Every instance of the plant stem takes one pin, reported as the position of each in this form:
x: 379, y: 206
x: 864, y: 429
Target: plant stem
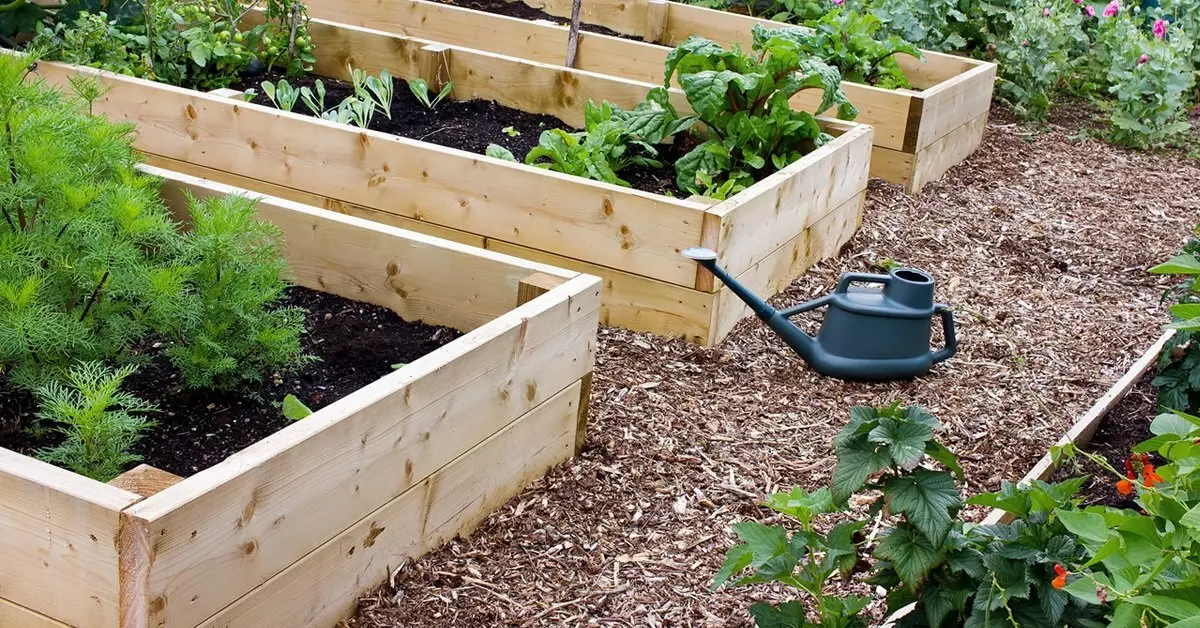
x: 94, y: 296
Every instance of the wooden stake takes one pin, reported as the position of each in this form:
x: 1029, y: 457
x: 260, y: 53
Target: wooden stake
x: 145, y: 480
x: 656, y: 20
x: 573, y: 35
x: 435, y: 67
x: 535, y: 286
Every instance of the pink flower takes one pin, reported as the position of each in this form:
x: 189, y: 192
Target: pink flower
x: 1112, y: 9
x: 1046, y: 12
x: 1144, y: 58
x: 1025, y: 42
x: 1160, y: 28
x: 839, y: 2
x: 1091, y: 11
x: 1078, y: 1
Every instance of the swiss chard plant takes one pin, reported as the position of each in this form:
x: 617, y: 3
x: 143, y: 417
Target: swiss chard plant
x: 852, y: 42
x: 749, y: 128
x: 613, y: 139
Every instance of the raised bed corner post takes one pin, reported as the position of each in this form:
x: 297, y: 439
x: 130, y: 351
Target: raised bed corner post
x: 434, y: 66
x: 656, y: 20
x: 529, y: 289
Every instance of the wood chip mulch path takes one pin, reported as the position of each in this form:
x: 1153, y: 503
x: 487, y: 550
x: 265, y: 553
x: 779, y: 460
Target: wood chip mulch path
x: 1041, y: 241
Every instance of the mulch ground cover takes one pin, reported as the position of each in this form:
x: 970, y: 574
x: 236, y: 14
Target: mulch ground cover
x: 356, y: 344
x: 1041, y: 241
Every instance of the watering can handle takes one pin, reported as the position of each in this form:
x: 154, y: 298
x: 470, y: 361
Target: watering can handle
x: 849, y: 278
x: 945, y: 353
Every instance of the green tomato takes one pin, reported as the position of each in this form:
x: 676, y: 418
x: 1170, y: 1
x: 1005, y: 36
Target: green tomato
x: 302, y: 41
x: 238, y: 37
x: 272, y: 51
x: 223, y: 35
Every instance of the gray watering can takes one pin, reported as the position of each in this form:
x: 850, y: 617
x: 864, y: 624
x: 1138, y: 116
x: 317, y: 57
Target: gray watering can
x: 868, y: 334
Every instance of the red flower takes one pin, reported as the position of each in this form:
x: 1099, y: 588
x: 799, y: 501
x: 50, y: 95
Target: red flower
x: 1125, y: 487
x: 1102, y: 594
x: 1060, y: 580
x: 1149, y: 476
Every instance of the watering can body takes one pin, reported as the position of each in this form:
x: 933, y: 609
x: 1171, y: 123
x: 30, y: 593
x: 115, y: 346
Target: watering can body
x: 879, y: 332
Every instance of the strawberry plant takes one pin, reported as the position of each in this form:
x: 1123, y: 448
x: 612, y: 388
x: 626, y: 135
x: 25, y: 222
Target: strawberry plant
x: 749, y: 128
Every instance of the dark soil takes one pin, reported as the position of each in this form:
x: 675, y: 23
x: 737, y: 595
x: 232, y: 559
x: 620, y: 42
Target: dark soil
x: 1122, y: 428
x: 357, y: 343
x: 521, y: 10
x: 466, y: 125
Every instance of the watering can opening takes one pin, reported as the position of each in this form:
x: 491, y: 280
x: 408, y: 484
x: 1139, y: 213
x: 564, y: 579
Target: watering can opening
x: 912, y: 275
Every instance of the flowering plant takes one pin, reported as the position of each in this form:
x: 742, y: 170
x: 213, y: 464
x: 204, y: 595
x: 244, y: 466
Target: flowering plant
x: 1149, y: 76
x: 1036, y: 56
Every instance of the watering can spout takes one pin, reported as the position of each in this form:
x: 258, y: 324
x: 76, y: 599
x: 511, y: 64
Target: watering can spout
x: 777, y: 320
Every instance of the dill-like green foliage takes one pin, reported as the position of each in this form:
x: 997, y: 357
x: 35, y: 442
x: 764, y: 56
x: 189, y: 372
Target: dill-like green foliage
x: 92, y: 265
x: 229, y: 331
x: 99, y: 423
x: 80, y: 232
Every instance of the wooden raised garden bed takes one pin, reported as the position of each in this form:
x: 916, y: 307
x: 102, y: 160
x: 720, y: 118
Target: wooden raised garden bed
x: 919, y: 134
x: 1085, y: 427
x: 766, y: 235
x: 289, y: 531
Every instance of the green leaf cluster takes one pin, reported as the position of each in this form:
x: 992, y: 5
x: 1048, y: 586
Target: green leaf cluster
x: 1036, y: 57
x: 1178, y: 365
x: 200, y: 44
x: 98, y: 423
x: 94, y: 268
x: 612, y: 140
x: 852, y: 42
x: 750, y: 129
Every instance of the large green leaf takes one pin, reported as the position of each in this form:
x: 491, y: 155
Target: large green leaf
x: 910, y: 553
x: 927, y: 498
x: 905, y: 441
x: 942, y: 454
x: 1169, y: 606
x: 737, y: 559
x: 708, y: 91
x: 1088, y: 526
x: 786, y: 615
x: 857, y: 459
x: 801, y: 504
x: 1182, y: 264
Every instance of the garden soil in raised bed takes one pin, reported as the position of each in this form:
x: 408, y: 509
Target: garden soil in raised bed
x: 1126, y: 425
x: 468, y: 125
x: 357, y: 343
x: 1040, y: 241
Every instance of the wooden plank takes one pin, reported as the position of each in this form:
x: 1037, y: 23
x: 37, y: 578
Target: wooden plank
x: 325, y: 585
x: 315, y: 200
x: 17, y: 616
x: 222, y: 532
x: 518, y: 83
x: 886, y: 110
x: 824, y: 239
x: 145, y: 480
x: 760, y: 220
x: 535, y: 286
x: 952, y: 149
x: 893, y: 166
x: 608, y: 224
x: 534, y: 40
x: 634, y: 302
x: 416, y: 276
x: 1085, y: 427
x: 581, y: 421
x: 937, y: 68
x: 59, y: 541
x: 955, y: 102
